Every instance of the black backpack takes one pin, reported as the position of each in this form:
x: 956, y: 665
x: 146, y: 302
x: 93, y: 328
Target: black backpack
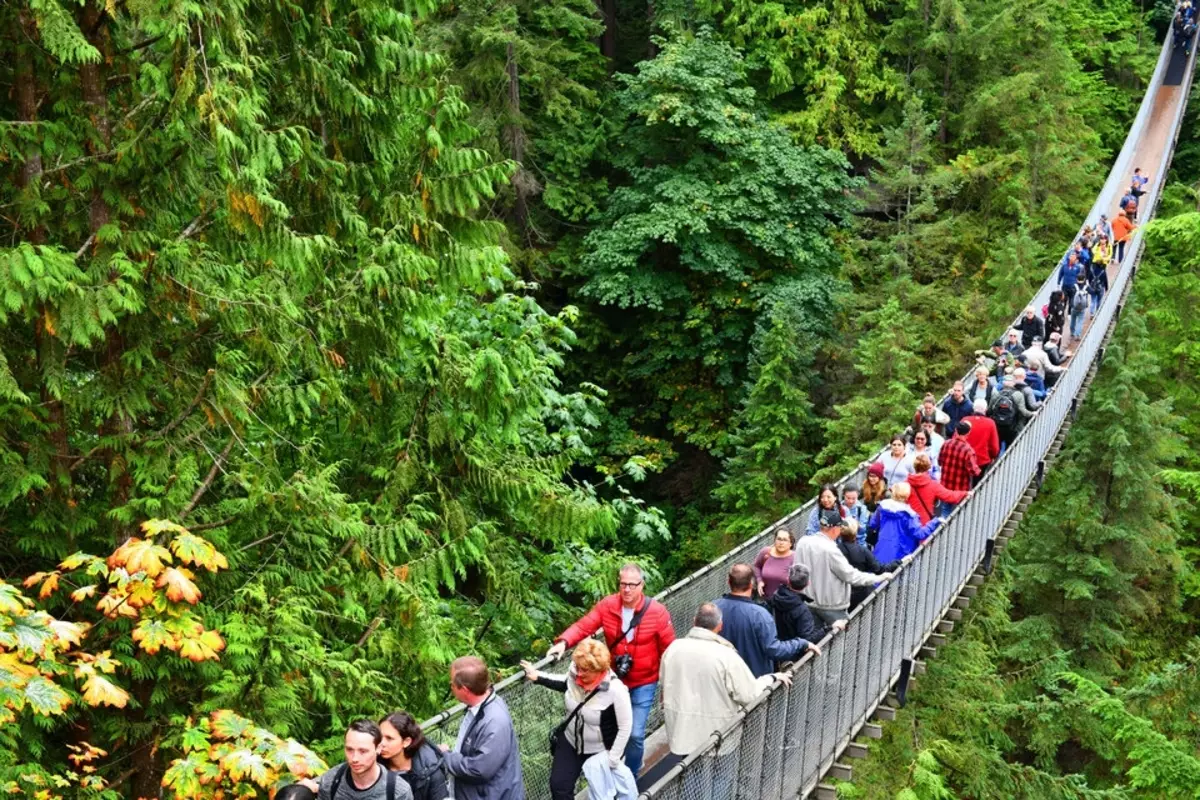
x: 1004, y: 412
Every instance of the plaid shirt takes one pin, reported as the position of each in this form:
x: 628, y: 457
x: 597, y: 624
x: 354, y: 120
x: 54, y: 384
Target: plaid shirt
x: 958, y: 464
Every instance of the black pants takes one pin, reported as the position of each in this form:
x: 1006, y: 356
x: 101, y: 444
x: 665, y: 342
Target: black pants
x: 565, y: 770
x: 1120, y: 252
x: 1007, y: 435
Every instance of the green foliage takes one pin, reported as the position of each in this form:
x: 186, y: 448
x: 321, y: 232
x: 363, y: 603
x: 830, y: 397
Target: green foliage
x: 719, y: 218
x: 246, y: 285
x: 1100, y: 566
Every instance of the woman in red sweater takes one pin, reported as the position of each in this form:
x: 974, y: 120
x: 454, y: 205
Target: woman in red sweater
x: 926, y: 491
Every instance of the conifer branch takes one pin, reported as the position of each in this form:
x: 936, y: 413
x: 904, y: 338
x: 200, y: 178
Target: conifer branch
x: 187, y: 412
x: 218, y: 462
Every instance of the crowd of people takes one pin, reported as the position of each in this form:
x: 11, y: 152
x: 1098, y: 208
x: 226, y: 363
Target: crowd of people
x: 1184, y: 26
x: 778, y: 608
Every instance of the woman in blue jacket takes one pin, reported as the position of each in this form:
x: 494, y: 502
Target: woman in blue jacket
x: 900, y: 530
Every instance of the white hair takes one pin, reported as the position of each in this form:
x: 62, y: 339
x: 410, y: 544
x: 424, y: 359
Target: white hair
x: 980, y: 406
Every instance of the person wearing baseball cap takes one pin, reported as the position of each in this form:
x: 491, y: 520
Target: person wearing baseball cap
x: 830, y: 575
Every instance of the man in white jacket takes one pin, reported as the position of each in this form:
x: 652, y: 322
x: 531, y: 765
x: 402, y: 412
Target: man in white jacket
x: 705, y: 685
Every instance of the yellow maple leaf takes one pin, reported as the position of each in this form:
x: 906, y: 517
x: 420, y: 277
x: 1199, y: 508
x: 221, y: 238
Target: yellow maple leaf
x: 179, y: 586
x: 49, y: 586
x: 140, y: 555
x: 153, y: 527
x: 100, y: 691
x: 199, y: 552
x: 83, y: 592
x: 202, y: 645
x: 115, y: 604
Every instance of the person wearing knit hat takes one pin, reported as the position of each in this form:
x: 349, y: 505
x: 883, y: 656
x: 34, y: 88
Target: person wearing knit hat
x: 874, y: 490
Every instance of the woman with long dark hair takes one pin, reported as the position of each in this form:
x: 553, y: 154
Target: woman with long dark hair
x: 405, y: 751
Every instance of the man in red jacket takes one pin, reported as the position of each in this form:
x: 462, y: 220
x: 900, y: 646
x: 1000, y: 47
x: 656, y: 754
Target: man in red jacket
x: 633, y: 625
x: 984, y: 438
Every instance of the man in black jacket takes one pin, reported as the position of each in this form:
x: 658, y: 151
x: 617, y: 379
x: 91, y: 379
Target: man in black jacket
x: 789, y: 606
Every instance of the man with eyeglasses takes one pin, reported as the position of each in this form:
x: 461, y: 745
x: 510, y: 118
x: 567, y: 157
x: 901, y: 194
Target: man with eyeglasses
x: 638, y: 631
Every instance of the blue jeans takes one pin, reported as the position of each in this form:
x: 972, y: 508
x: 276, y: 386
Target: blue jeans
x: 642, y: 700
x: 1076, y: 324
x: 1096, y: 298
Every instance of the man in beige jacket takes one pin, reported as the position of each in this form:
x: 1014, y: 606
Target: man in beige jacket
x: 705, y: 685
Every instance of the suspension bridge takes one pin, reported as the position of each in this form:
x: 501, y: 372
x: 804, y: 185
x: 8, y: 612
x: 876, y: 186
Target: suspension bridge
x: 793, y: 737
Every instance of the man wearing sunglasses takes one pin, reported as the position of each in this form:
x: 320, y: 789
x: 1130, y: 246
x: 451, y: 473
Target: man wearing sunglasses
x: 637, y: 631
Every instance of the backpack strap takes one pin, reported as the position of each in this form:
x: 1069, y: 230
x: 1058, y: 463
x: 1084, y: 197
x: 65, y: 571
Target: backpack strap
x: 337, y: 782
x: 924, y: 505
x: 391, y: 785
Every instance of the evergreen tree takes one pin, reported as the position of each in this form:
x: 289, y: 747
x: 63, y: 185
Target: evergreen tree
x: 717, y: 217
x: 1100, y: 566
x: 891, y: 378
x: 246, y: 288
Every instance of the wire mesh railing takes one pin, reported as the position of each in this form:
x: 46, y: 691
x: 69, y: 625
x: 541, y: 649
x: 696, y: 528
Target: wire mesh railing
x: 782, y: 744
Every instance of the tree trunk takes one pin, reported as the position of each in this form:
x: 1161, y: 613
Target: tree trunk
x: 47, y: 349
x: 92, y: 86
x: 26, y: 91
x: 947, y: 73
x: 514, y: 132
x: 608, y: 41
x: 651, y: 48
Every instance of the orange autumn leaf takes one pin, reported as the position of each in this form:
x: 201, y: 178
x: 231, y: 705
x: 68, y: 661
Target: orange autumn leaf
x: 140, y: 555
x: 179, y: 586
x: 202, y: 645
x: 83, y: 592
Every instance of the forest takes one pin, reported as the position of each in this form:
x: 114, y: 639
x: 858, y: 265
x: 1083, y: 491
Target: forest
x: 339, y: 338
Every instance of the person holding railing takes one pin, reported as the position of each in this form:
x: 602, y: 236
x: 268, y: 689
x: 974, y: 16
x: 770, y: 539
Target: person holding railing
x: 705, y: 685
x: 598, y: 723
x: 749, y: 627
x: 925, y: 492
x: 1054, y: 352
x: 831, y: 576
x: 638, y: 631
x: 1036, y: 354
x: 789, y: 606
x: 862, y: 559
x: 1025, y: 391
x: 900, y: 530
